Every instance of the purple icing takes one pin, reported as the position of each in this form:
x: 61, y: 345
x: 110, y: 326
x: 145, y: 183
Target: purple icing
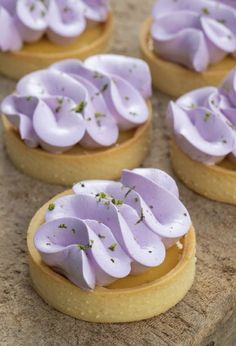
x: 194, y: 33
x: 72, y: 102
x: 204, y: 122
x: 61, y: 20
x: 107, y: 230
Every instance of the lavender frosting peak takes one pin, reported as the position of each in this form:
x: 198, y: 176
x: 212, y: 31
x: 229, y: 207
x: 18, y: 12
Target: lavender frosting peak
x: 204, y: 122
x: 61, y: 20
x: 73, y: 102
x: 194, y: 33
x: 107, y: 230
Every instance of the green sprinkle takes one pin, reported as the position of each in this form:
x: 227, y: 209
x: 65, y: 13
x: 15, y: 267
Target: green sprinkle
x: 98, y: 115
x: 207, y: 116
x: 102, y: 195
x: 117, y: 201
x: 51, y: 206
x: 205, y: 10
x: 29, y: 98
x: 62, y: 225
x: 80, y: 107
x: 85, y: 246
x: 112, y: 246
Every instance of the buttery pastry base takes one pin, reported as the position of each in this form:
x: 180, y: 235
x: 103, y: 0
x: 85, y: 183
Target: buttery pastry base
x: 34, y: 56
x: 79, y: 163
x: 130, y: 299
x: 174, y: 79
x: 217, y: 182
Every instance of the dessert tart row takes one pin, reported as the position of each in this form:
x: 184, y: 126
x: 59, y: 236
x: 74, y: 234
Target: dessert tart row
x: 77, y: 120
x: 113, y: 251
x: 189, y: 44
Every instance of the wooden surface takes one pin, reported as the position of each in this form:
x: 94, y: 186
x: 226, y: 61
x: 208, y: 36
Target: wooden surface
x: 206, y: 316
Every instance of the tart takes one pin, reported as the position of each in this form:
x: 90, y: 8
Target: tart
x: 80, y: 120
x: 203, y: 151
x: 89, y: 259
x: 183, y: 26
x: 37, y: 34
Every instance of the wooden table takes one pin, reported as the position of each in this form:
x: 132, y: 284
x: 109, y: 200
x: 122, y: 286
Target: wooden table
x: 207, y: 314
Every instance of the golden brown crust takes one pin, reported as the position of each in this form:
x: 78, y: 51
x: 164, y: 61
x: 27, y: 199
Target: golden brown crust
x: 129, y: 299
x: 78, y: 163
x: 96, y: 39
x: 217, y: 182
x: 174, y: 79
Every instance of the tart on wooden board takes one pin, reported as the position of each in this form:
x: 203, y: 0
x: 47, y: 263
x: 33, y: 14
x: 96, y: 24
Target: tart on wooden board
x: 89, y: 258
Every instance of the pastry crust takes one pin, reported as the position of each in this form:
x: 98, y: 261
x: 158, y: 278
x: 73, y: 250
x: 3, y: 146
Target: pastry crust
x: 217, y: 182
x: 130, y: 299
x: 174, y: 79
x: 96, y: 39
x: 79, y: 163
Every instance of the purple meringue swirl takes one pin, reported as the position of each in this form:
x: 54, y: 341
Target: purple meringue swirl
x: 61, y: 20
x: 73, y: 102
x: 194, y: 33
x: 204, y: 122
x: 107, y: 230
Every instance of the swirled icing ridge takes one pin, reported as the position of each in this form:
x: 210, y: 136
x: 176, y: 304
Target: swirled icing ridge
x: 107, y: 230
x: 194, y: 33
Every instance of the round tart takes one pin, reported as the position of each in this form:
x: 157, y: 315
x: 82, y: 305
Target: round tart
x: 144, y: 293
x: 160, y: 38
x: 204, y: 147
x: 217, y: 182
x: 80, y: 139
x: 28, y: 46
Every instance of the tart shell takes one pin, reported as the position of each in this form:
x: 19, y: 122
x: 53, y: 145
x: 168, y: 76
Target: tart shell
x: 217, y: 182
x: 174, y: 79
x: 34, y: 56
x: 79, y: 163
x: 130, y: 299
